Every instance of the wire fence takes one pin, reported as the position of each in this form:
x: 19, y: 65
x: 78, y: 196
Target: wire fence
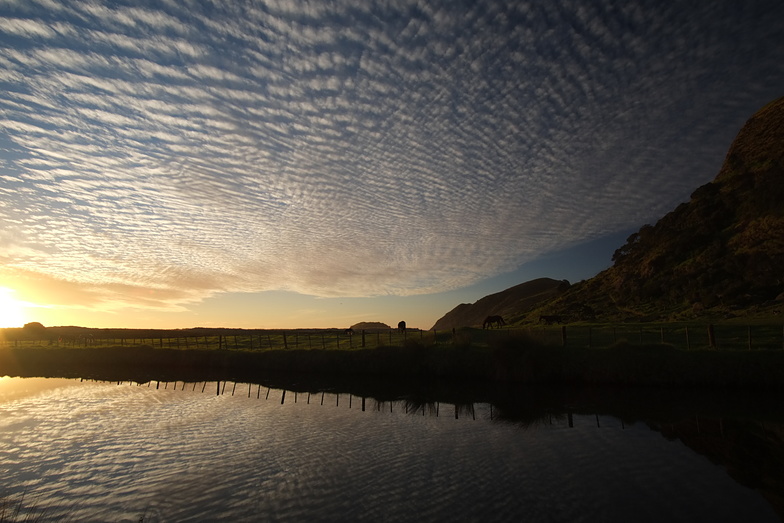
x: 255, y: 340
x: 686, y: 337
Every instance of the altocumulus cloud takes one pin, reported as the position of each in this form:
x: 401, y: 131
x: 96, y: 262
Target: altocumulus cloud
x: 154, y: 153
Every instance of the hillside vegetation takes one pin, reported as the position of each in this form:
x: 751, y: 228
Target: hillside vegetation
x: 719, y: 255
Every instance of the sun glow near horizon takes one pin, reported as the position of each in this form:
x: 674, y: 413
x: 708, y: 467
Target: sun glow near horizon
x: 12, y: 311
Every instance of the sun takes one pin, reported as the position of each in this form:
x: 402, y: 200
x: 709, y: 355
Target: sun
x: 12, y: 313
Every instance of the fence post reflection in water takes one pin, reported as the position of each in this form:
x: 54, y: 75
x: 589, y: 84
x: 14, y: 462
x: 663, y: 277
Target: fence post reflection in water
x: 410, y: 407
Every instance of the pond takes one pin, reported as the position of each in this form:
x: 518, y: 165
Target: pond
x: 176, y: 451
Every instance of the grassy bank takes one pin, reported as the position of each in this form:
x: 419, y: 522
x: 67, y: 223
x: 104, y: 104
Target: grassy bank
x: 511, y: 359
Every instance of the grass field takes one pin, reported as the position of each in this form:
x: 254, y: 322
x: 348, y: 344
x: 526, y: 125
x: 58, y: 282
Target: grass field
x: 588, y: 354
x: 687, y: 336
x: 218, y: 339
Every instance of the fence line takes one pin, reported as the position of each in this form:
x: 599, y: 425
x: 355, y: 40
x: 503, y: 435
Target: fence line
x: 688, y: 337
x: 258, y: 340
x: 717, y: 337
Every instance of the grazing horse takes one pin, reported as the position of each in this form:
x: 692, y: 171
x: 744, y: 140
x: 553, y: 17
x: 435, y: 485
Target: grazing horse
x: 402, y: 327
x: 350, y: 331
x: 498, y: 321
x: 549, y: 320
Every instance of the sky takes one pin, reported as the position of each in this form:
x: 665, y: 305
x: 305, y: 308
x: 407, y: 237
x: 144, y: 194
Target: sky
x: 310, y: 164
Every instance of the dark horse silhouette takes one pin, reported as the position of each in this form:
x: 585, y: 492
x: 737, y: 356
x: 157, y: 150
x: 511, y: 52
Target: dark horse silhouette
x: 401, y: 326
x: 498, y: 321
x: 550, y: 319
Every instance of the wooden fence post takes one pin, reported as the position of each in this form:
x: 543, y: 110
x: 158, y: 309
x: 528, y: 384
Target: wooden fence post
x: 285, y: 343
x: 363, y: 338
x: 711, y: 337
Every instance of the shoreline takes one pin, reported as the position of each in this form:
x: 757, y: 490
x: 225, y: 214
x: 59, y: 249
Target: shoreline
x: 622, y: 365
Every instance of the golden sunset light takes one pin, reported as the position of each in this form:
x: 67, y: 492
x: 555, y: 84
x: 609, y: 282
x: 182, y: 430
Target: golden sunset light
x: 12, y: 313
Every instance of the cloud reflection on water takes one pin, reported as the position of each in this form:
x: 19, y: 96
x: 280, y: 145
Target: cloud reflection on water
x: 99, y: 451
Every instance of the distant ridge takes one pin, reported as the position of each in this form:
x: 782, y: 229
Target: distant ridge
x: 510, y: 304
x: 371, y: 326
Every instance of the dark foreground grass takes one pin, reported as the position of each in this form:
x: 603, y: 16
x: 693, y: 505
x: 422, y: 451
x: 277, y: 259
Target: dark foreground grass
x: 513, y: 359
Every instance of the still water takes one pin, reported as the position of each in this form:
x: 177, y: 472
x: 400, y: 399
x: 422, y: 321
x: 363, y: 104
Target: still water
x: 97, y: 451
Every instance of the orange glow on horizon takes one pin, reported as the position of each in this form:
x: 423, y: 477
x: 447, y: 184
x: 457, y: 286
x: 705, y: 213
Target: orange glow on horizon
x: 27, y: 297
x: 12, y: 311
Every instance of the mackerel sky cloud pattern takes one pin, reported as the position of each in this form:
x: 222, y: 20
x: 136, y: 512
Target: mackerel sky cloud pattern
x: 159, y: 152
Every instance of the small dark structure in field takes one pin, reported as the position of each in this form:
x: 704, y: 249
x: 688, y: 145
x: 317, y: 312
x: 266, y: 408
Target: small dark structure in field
x: 350, y: 331
x: 550, y: 319
x: 498, y: 321
x: 401, y: 327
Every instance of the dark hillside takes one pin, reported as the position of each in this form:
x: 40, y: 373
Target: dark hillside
x: 721, y: 254
x: 511, y: 304
x: 723, y: 250
x: 371, y: 326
